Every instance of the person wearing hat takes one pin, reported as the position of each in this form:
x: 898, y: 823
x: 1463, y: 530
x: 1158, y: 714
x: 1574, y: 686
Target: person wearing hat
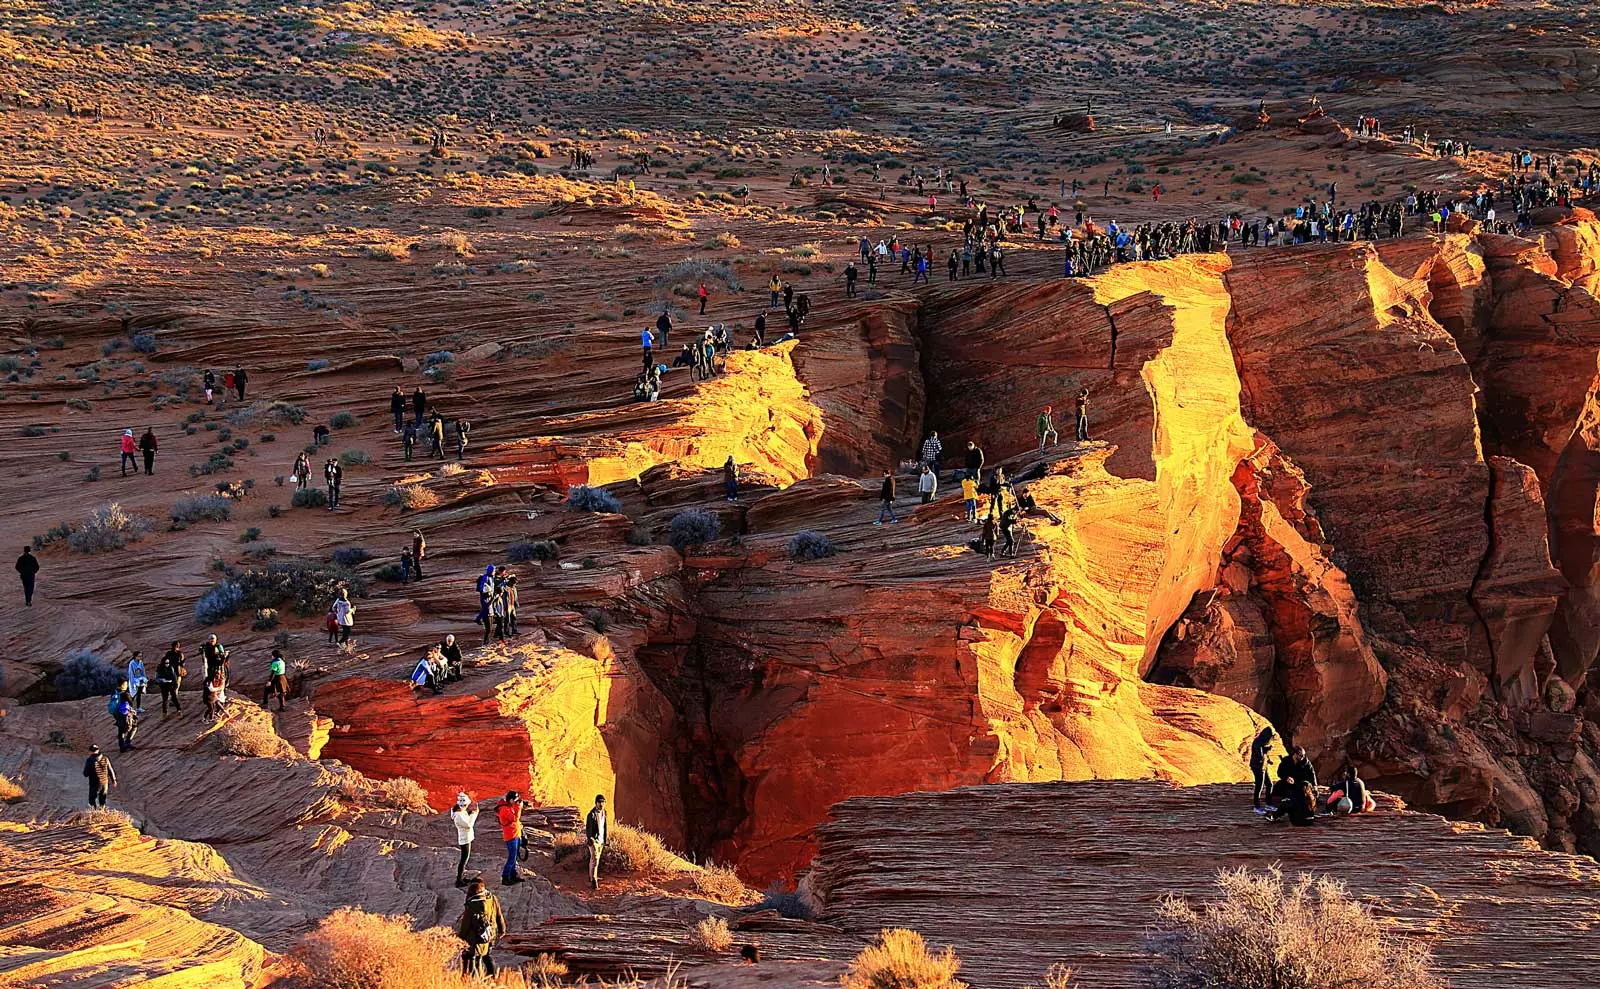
x: 594, y: 829
x: 509, y: 811
x: 97, y: 770
x: 482, y: 922
x: 129, y: 448
x: 465, y: 818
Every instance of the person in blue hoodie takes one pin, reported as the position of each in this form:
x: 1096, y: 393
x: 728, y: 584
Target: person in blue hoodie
x: 485, y: 592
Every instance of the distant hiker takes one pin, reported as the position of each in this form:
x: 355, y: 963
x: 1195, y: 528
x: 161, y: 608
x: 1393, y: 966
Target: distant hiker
x: 463, y: 427
x: 120, y: 707
x: 345, y: 614
x: 1258, y: 766
x: 277, y: 681
x: 1083, y: 415
x: 320, y: 435
x: 147, y: 446
x: 773, y: 288
x: 886, y: 496
x: 301, y: 478
x: 664, y: 328
x: 451, y: 652
x: 129, y: 448
x: 436, y: 436
x: 405, y: 564
x: 850, y: 276
x: 932, y: 450
x: 216, y: 695
x: 239, y: 379
x: 974, y: 461
x: 969, y: 497
x: 482, y: 922
x: 397, y: 408
x: 509, y: 812
x: 333, y: 475
x: 215, y: 656
x: 101, y: 776
x: 1045, y: 430
x: 138, y: 680
x: 928, y: 484
x: 169, y: 676
x: 704, y: 297
x: 210, y: 383
x: 408, y: 439
x: 419, y: 549
x: 647, y: 346
x: 595, y: 830
x: 509, y: 593
x: 730, y: 480
x: 419, y: 404
x: 991, y: 529
x: 465, y: 818
x: 761, y: 330
x: 28, y: 570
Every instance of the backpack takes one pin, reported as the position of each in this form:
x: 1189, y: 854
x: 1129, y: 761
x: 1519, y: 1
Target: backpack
x: 475, y: 925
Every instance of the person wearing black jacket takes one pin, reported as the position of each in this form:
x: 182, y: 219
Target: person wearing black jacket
x: 239, y: 378
x: 215, y: 656
x: 974, y: 462
x: 397, y: 408
x: 419, y: 404
x: 147, y: 446
x: 886, y: 494
x: 1299, y: 768
x: 452, y: 658
x: 169, y: 676
x: 97, y: 770
x: 27, y: 569
x: 1258, y: 765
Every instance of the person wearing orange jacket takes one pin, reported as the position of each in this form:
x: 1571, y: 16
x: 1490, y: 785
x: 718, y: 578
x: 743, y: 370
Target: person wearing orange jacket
x: 509, y: 811
x: 129, y: 448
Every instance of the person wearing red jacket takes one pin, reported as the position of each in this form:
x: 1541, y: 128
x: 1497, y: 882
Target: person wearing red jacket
x: 509, y: 811
x: 129, y: 448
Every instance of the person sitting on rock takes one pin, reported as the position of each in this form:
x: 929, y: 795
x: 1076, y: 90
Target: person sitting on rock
x: 1299, y: 768
x: 450, y: 652
x: 1349, y: 794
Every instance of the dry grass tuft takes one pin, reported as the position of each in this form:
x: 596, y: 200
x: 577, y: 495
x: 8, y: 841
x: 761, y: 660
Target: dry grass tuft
x: 722, y: 884
x: 711, y: 936
x: 10, y: 792
x: 412, y: 497
x: 402, y: 794
x: 353, y: 949
x: 102, y: 815
x: 1264, y: 930
x: 900, y: 959
x: 249, y: 733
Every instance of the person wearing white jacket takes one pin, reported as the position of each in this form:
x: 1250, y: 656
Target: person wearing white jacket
x: 465, y: 818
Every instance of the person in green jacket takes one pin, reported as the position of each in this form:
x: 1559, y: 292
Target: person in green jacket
x: 1045, y: 429
x: 277, y: 681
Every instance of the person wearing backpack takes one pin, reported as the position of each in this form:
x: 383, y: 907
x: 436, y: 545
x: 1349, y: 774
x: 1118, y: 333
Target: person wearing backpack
x: 481, y: 924
x: 120, y: 707
x: 465, y: 818
x: 97, y: 770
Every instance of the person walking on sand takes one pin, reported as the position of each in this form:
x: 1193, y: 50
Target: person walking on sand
x: 465, y: 817
x: 509, y: 812
x: 28, y: 570
x: 345, y: 614
x: 129, y: 448
x: 169, y: 676
x: 277, y: 681
x: 397, y: 408
x: 596, y: 831
x: 886, y: 496
x: 147, y: 447
x: 102, y: 777
x: 481, y: 924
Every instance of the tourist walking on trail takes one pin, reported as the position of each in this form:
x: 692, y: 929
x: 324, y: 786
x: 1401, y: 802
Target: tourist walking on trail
x: 596, y: 831
x: 302, y: 472
x: 333, y: 474
x: 345, y: 614
x: 147, y: 447
x: 129, y: 448
x: 704, y: 296
x: 928, y: 484
x: 102, y: 777
x: 932, y: 450
x: 509, y: 813
x: 169, y: 676
x: 463, y: 427
x: 1083, y: 416
x: 1258, y: 767
x: 277, y: 681
x: 1045, y: 430
x: 28, y: 570
x: 120, y: 707
x: 886, y: 496
x: 730, y: 480
x: 481, y: 924
x: 465, y: 817
x: 419, y: 549
x: 436, y: 436
x: 138, y: 680
x: 419, y: 404
x: 397, y: 408
x: 210, y: 383
x: 239, y: 379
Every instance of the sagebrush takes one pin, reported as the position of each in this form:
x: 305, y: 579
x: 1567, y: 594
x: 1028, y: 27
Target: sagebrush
x: 900, y: 959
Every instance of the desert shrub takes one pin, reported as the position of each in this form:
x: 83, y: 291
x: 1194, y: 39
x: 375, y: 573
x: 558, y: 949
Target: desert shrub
x: 711, y: 936
x: 410, y: 497
x: 266, y: 619
x: 10, y: 792
x: 107, y: 528
x: 808, y: 544
x: 214, y: 508
x: 102, y: 815
x: 597, y: 620
x: 220, y: 603
x: 287, y: 413
x: 86, y: 674
x: 438, y: 357
x: 388, y: 251
x: 144, y: 343
x: 1264, y: 930
x: 451, y: 468
x: 351, y: 556
x: 535, y: 549
x: 629, y: 852
x: 261, y: 550
x: 722, y: 884
x: 693, y: 527
x: 1059, y: 976
x: 92, y: 474
x: 586, y: 499
x: 545, y: 970
x: 308, y: 498
x: 351, y: 458
x: 390, y: 573
x: 698, y: 270
x: 638, y: 535
x: 250, y: 735
x: 250, y: 535
x: 900, y: 959
x: 787, y: 902
x: 402, y: 793
x: 353, y: 949
x: 343, y: 420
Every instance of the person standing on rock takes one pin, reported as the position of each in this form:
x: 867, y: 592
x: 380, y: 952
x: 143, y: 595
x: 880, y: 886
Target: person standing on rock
x: 481, y: 924
x: 210, y: 382
x: 850, y: 276
x: 239, y: 379
x: 974, y: 461
x: 169, y: 676
x: 436, y: 436
x: 419, y: 549
x: 465, y: 818
x: 1045, y: 430
x: 215, y: 656
x: 1258, y: 767
x: 705, y: 296
x: 932, y: 450
x: 485, y: 591
x: 463, y: 427
x: 419, y: 404
x: 408, y: 440
x: 345, y: 614
x: 138, y: 680
x: 664, y: 328
x: 120, y: 707
x: 509, y: 813
x: 147, y: 447
x: 28, y: 570
x: 1083, y: 415
x: 397, y: 408
x: 335, y: 475
x: 277, y: 681
x: 928, y: 484
x: 596, y: 831
x: 647, y: 343
x: 886, y: 496
x: 129, y: 448
x: 730, y: 480
x: 102, y: 777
